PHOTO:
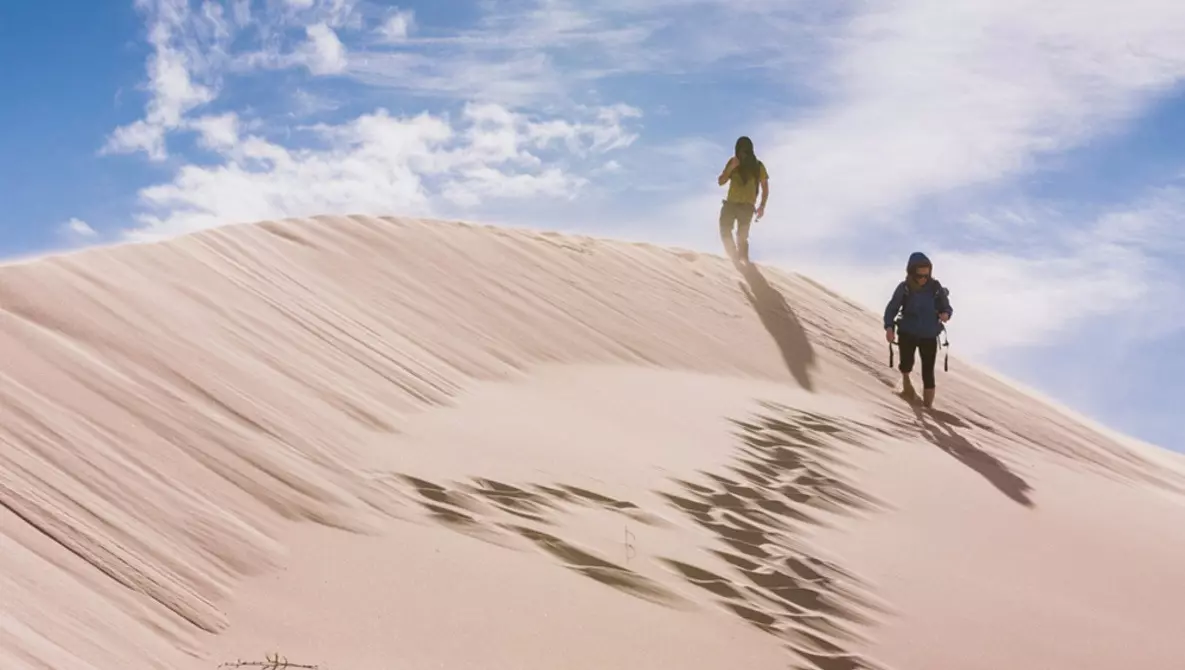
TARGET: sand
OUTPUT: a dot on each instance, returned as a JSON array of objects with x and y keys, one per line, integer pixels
[{"x": 400, "y": 444}]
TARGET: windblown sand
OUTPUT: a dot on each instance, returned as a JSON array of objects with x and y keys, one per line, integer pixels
[{"x": 380, "y": 444}]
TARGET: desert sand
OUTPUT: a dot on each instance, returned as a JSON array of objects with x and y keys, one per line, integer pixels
[{"x": 395, "y": 444}]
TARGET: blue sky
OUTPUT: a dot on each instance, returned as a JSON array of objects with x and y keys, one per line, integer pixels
[{"x": 1038, "y": 156}]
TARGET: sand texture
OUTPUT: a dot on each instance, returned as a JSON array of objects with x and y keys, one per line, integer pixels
[{"x": 394, "y": 444}]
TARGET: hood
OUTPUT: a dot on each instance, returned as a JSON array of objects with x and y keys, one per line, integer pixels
[{"x": 917, "y": 259}]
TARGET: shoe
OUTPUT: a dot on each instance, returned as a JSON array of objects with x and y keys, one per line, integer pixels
[{"x": 928, "y": 398}]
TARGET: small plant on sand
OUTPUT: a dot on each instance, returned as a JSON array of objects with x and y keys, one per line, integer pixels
[{"x": 272, "y": 662}]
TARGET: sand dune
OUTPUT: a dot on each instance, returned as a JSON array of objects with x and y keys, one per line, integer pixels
[{"x": 377, "y": 443}]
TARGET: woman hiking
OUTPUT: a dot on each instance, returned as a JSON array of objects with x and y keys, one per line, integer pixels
[
  {"x": 925, "y": 307},
  {"x": 744, "y": 173}
]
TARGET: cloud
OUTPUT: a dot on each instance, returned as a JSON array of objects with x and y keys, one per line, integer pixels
[
  {"x": 924, "y": 118},
  {"x": 256, "y": 168},
  {"x": 171, "y": 69},
  {"x": 1057, "y": 276},
  {"x": 908, "y": 101},
  {"x": 324, "y": 53},
  {"x": 219, "y": 132},
  {"x": 304, "y": 103},
  {"x": 77, "y": 229},
  {"x": 398, "y": 25},
  {"x": 924, "y": 98},
  {"x": 886, "y": 127},
  {"x": 520, "y": 53},
  {"x": 524, "y": 52},
  {"x": 193, "y": 52},
  {"x": 381, "y": 164}
]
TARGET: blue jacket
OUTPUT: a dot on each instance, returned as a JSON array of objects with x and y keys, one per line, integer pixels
[{"x": 920, "y": 309}]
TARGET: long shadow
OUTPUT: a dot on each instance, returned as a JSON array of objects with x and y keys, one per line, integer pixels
[
  {"x": 941, "y": 433},
  {"x": 790, "y": 473},
  {"x": 473, "y": 508},
  {"x": 779, "y": 319}
]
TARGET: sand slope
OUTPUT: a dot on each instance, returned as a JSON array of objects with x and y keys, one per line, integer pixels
[{"x": 528, "y": 450}]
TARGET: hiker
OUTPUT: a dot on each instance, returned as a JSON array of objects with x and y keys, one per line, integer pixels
[
  {"x": 743, "y": 173},
  {"x": 925, "y": 308}
]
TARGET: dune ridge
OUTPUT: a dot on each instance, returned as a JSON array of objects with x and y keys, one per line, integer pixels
[{"x": 170, "y": 407}]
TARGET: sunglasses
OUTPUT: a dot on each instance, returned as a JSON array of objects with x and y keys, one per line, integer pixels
[{"x": 921, "y": 275}]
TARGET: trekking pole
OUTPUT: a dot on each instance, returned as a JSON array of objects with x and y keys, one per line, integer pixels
[{"x": 946, "y": 354}]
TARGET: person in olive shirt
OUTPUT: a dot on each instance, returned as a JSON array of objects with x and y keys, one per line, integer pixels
[{"x": 744, "y": 173}]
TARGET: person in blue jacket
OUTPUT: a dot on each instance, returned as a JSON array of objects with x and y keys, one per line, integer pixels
[{"x": 925, "y": 307}]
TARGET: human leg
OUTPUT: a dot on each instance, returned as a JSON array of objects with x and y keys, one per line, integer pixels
[
  {"x": 744, "y": 219},
  {"x": 727, "y": 218},
  {"x": 906, "y": 346},
  {"x": 928, "y": 349}
]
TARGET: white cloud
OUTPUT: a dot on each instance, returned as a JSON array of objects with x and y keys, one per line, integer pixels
[
  {"x": 379, "y": 164},
  {"x": 173, "y": 90},
  {"x": 398, "y": 25},
  {"x": 865, "y": 114},
  {"x": 306, "y": 103},
  {"x": 522, "y": 52},
  {"x": 517, "y": 79},
  {"x": 78, "y": 229},
  {"x": 219, "y": 132},
  {"x": 324, "y": 53},
  {"x": 1054, "y": 277},
  {"x": 334, "y": 13},
  {"x": 916, "y": 100},
  {"x": 192, "y": 54},
  {"x": 924, "y": 98},
  {"x": 240, "y": 11},
  {"x": 375, "y": 163}
]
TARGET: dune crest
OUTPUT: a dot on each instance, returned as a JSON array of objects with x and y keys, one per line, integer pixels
[{"x": 171, "y": 409}]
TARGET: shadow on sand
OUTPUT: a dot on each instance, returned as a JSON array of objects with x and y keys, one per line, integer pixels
[
  {"x": 790, "y": 474},
  {"x": 487, "y": 509},
  {"x": 782, "y": 324},
  {"x": 941, "y": 433}
]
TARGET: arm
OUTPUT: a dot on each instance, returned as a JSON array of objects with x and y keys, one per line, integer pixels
[
  {"x": 944, "y": 306},
  {"x": 723, "y": 178},
  {"x": 894, "y": 305},
  {"x": 764, "y": 183}
]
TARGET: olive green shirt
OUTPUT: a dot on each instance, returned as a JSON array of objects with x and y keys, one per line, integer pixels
[{"x": 745, "y": 192}]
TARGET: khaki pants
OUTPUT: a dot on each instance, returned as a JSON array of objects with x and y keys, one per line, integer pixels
[{"x": 739, "y": 214}]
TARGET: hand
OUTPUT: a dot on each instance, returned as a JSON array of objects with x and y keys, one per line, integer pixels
[
  {"x": 732, "y": 163},
  {"x": 944, "y": 317},
  {"x": 889, "y": 335},
  {"x": 760, "y": 212}
]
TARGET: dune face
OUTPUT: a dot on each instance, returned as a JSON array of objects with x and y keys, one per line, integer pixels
[{"x": 379, "y": 443}]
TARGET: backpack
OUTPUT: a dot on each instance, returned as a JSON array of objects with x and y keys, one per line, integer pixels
[{"x": 943, "y": 338}]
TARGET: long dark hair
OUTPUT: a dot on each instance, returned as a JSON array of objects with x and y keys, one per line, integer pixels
[{"x": 748, "y": 167}]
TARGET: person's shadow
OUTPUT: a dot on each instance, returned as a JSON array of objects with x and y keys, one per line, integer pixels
[
  {"x": 782, "y": 324},
  {"x": 941, "y": 433}
]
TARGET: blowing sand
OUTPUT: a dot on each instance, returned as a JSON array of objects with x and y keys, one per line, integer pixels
[{"x": 397, "y": 444}]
